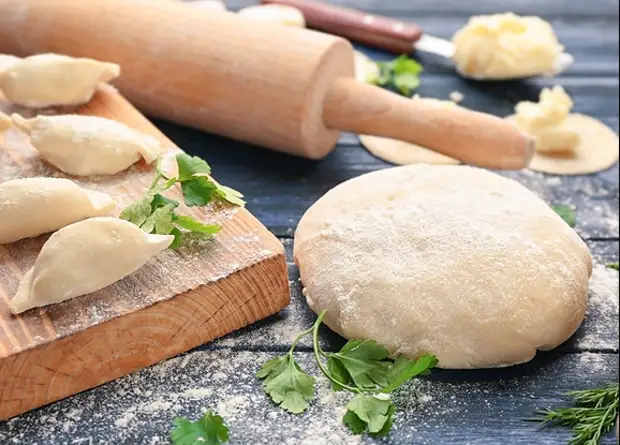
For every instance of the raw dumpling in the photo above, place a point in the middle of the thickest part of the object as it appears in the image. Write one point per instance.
(5, 122)
(7, 61)
(87, 145)
(85, 257)
(46, 80)
(33, 206)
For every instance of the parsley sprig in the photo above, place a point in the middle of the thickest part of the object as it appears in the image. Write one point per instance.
(208, 430)
(361, 367)
(566, 213)
(401, 74)
(155, 213)
(592, 417)
(614, 266)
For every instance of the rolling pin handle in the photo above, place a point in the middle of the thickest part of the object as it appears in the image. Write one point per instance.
(475, 138)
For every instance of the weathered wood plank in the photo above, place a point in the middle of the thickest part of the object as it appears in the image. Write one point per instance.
(598, 333)
(448, 408)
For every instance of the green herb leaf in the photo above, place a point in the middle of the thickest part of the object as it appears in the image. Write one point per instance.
(198, 191)
(189, 223)
(208, 430)
(566, 213)
(365, 362)
(160, 221)
(405, 369)
(592, 417)
(287, 384)
(406, 83)
(614, 266)
(160, 200)
(402, 74)
(403, 64)
(372, 413)
(178, 238)
(339, 373)
(138, 212)
(230, 195)
(190, 166)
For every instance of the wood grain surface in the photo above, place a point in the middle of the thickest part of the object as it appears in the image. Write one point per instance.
(449, 407)
(179, 300)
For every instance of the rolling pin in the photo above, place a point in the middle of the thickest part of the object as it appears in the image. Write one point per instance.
(284, 88)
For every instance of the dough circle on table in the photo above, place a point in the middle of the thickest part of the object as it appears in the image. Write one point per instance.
(450, 260)
(403, 153)
(598, 150)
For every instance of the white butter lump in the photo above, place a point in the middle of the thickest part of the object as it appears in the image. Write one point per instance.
(546, 121)
(278, 14)
(46, 80)
(503, 46)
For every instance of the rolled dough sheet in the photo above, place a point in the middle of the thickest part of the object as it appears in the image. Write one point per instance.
(598, 150)
(403, 153)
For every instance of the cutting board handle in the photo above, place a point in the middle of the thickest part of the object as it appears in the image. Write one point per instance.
(472, 137)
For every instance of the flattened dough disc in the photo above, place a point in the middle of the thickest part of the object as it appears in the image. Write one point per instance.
(403, 153)
(597, 152)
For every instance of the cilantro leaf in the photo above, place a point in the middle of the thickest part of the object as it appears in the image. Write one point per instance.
(287, 384)
(189, 223)
(402, 74)
(337, 370)
(189, 166)
(403, 64)
(370, 413)
(566, 213)
(406, 83)
(178, 238)
(230, 195)
(208, 430)
(405, 369)
(160, 221)
(139, 211)
(198, 191)
(614, 266)
(365, 362)
(160, 200)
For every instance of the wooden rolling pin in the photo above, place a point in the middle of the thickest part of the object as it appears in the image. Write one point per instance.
(288, 89)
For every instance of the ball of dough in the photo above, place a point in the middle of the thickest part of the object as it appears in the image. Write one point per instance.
(450, 260)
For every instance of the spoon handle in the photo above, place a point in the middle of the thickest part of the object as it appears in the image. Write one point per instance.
(377, 31)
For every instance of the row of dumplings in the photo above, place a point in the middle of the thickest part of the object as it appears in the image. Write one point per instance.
(90, 249)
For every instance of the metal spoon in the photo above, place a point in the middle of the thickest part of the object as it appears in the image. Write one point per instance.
(386, 33)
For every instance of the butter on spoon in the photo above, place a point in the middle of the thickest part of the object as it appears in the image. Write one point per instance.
(494, 47)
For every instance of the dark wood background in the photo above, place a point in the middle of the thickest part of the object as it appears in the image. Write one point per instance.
(473, 407)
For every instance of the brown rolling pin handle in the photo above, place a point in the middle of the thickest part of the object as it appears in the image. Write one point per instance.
(472, 137)
(381, 32)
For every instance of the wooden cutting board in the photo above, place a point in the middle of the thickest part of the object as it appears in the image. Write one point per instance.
(178, 301)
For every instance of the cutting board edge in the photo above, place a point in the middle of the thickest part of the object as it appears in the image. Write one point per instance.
(26, 377)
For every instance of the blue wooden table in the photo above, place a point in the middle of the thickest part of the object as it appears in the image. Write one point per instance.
(473, 407)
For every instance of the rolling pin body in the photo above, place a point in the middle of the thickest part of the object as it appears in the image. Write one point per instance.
(281, 87)
(217, 72)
